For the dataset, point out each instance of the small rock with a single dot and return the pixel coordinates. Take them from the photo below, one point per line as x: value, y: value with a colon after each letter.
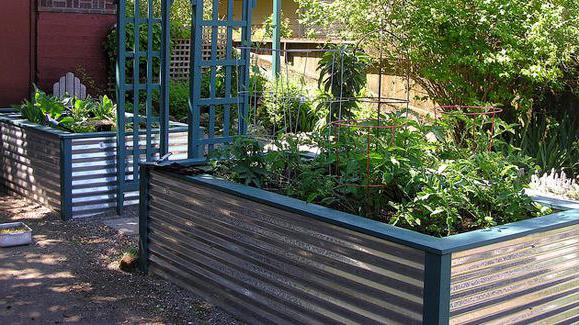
x: 128, y: 263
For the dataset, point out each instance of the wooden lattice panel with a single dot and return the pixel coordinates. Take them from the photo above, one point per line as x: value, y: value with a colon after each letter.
x: 179, y: 66
x: 180, y: 55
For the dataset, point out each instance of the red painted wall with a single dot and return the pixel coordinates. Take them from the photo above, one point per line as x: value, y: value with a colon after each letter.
x: 68, y: 40
x: 15, y: 52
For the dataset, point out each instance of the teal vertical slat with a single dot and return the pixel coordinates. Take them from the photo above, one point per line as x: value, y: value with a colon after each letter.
x: 149, y: 99
x: 195, y: 77
x: 121, y: 91
x: 276, y: 38
x: 228, y: 57
x: 248, y: 6
x: 165, y: 76
x: 66, y: 178
x: 144, y: 220
x: 136, y: 87
x: 213, y: 69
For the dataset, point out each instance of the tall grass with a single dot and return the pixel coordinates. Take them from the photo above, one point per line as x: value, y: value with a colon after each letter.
x: 552, y: 142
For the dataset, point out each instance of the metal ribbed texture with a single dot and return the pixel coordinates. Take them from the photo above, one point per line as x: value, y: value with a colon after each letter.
x: 533, y: 279
x: 94, y: 173
x: 31, y: 164
x: 272, y: 266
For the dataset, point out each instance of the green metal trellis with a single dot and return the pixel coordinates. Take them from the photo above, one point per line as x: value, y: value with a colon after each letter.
x: 230, y: 103
x: 144, y: 57
x: 226, y: 108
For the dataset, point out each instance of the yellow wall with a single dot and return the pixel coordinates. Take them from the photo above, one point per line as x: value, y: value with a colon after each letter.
x: 263, y: 10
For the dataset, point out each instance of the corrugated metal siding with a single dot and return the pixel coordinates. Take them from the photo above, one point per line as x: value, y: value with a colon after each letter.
x: 31, y: 164
x: 534, y: 279
x: 94, y: 172
x: 272, y: 266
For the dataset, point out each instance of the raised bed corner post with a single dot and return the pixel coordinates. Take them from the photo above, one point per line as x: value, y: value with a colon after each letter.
x: 436, y: 304
x: 143, y: 219
x: 141, y: 121
x: 203, y: 138
x: 65, y: 178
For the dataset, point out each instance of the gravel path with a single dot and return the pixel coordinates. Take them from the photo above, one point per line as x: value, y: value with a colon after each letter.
x: 70, y: 274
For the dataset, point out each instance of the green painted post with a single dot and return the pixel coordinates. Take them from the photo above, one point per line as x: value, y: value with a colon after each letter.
x: 436, y: 305
x: 165, y: 76
x: 121, y: 91
x: 143, y: 218
x: 66, y: 178
x: 276, y: 38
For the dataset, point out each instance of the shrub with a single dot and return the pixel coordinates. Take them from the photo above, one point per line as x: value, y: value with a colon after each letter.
x: 287, y: 107
x: 508, y: 52
x: 417, y: 183
x: 553, y: 143
x: 342, y: 79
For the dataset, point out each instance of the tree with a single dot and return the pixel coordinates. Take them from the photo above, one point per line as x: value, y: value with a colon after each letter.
x: 506, y: 52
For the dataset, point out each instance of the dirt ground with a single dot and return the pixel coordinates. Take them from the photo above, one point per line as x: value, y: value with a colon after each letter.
x: 70, y: 275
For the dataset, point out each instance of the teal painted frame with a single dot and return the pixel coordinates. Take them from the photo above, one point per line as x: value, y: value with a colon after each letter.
x: 198, y: 141
x: 438, y: 250
x: 135, y: 88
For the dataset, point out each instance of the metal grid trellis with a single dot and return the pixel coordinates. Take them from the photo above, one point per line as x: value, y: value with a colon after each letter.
x: 228, y: 105
x: 143, y: 59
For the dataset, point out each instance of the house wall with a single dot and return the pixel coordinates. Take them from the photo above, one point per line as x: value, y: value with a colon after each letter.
x: 15, y: 51
x: 70, y: 39
x: 263, y: 11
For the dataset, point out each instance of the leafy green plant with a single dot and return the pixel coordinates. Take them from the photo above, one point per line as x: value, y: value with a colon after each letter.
x: 43, y: 109
x: 70, y: 114
x: 342, y: 79
x: 287, y: 107
x: 178, y: 100
x: 243, y: 160
x: 410, y: 180
x: 267, y: 29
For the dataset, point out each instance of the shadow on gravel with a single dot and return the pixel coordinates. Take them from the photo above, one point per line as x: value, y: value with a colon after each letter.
x: 70, y: 274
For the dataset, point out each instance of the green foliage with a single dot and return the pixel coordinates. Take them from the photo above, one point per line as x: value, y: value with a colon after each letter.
x: 111, y: 50
x: 553, y: 143
x: 342, y: 79
x: 178, y: 100
x: 267, y: 29
x: 287, y: 107
x: 70, y: 114
x: 411, y: 179
x: 243, y: 160
x: 509, y: 52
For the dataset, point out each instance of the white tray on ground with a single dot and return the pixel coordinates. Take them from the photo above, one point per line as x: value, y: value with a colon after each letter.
x: 15, y: 239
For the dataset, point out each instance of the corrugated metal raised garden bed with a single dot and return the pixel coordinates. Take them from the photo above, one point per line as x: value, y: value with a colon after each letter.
x: 72, y: 173
x: 273, y: 259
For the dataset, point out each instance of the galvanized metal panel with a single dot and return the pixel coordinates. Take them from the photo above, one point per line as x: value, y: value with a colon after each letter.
x: 30, y: 164
x: 533, y: 279
x: 94, y: 171
x: 269, y: 265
